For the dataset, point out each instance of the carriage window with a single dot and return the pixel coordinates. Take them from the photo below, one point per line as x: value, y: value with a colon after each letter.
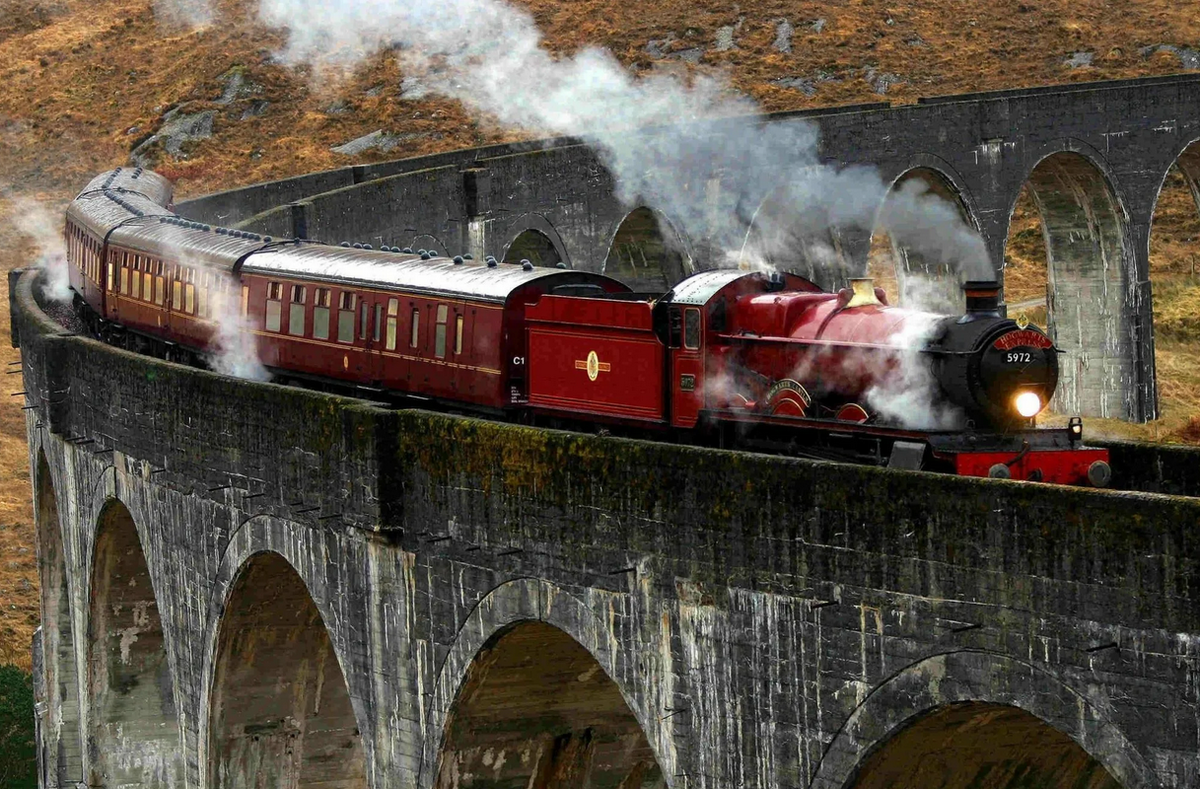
x: 296, y: 312
x: 393, y: 312
x: 321, y: 314
x: 125, y: 276
x: 378, y: 322
x: 112, y: 279
x: 160, y: 284
x: 458, y: 332
x: 189, y: 298
x: 245, y: 302
x: 346, y: 317
x: 439, y: 338
x: 362, y: 321
x: 176, y: 294
x: 274, y: 305
x: 416, y: 328
x: 691, y: 329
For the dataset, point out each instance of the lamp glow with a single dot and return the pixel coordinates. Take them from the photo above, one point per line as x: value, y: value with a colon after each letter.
x: 1028, y: 404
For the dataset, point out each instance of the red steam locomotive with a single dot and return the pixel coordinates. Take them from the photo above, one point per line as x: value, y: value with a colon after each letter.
x: 746, y: 357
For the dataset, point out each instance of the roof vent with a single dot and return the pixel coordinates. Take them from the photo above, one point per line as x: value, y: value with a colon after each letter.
x: 458, y: 260
x: 491, y: 262
x: 407, y: 250
x: 366, y: 246
x: 526, y: 265
x: 425, y: 256
x: 345, y: 244
x: 468, y: 256
x: 422, y: 251
x: 267, y: 239
x: 433, y: 252
x: 560, y: 264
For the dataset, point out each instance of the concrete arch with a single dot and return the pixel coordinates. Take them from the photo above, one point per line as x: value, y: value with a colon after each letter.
x: 951, y: 678
x: 544, y: 246
x: 62, y: 760
x: 133, y: 724
x: 1090, y: 270
x: 647, y: 252
x: 925, y: 239
x: 266, y: 547
x: 506, y: 607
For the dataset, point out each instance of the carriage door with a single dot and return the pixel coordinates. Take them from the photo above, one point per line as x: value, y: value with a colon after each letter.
x: 687, y: 365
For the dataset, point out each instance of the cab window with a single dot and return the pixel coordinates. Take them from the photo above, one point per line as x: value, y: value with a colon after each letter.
x: 691, y: 328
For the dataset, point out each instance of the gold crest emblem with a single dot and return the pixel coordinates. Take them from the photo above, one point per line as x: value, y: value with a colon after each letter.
x: 1022, y: 321
x: 593, y: 365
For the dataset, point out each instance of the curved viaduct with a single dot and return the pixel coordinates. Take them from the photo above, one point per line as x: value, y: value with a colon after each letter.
x: 1095, y: 156
x: 253, y: 585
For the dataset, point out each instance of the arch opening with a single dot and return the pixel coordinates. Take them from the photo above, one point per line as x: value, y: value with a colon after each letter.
x: 646, y: 253
x: 133, y: 727
x: 280, y: 711
x: 1086, y: 260
x: 1175, y: 284
x: 63, y: 760
x: 913, y: 277
x: 537, y: 710
x: 534, y: 246
x: 789, y: 232
x: 977, y: 745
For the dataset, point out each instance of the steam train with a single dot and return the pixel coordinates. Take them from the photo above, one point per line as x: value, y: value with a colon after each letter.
x: 751, y: 358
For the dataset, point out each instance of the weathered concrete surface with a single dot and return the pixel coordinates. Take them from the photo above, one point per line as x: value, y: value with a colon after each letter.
x: 346, y: 594
x: 1094, y: 155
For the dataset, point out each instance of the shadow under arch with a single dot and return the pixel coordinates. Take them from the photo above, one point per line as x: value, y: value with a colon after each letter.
x: 969, y: 688
x: 62, y: 740
x: 916, y: 274
x: 535, y: 239
x: 133, y: 726
x: 502, y: 625
x: 279, y: 710
x: 1088, y: 260
x: 647, y: 252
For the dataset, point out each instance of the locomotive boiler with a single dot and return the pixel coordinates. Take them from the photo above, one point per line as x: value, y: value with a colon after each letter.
x: 761, y: 360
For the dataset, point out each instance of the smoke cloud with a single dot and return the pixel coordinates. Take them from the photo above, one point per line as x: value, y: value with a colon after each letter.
x: 234, y: 348
x: 44, y: 228
x: 183, y: 13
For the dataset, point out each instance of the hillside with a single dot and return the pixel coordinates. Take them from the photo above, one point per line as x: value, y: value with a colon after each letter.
x: 84, y: 83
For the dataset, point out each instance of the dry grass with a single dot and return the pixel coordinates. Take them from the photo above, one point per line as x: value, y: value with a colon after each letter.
x: 82, y: 81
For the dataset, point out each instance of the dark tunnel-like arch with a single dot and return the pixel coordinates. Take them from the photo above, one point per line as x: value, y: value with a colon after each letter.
x: 1087, y: 258
x: 646, y: 253
x: 534, y: 246
x: 912, y: 277
x: 537, y: 709
x: 280, y: 713
x: 976, y: 745
x: 63, y: 761
x: 1174, y: 275
x: 133, y: 728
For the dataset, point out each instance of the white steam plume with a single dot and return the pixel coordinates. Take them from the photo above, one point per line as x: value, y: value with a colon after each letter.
x: 44, y: 228
x: 907, y: 393
x: 489, y: 55
x: 183, y: 13
x: 234, y: 348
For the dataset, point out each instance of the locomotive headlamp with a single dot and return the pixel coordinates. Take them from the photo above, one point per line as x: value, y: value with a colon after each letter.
x: 1028, y: 404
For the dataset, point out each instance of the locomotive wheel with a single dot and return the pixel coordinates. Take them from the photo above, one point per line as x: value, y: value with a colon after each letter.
x: 1000, y: 471
x: 1099, y: 474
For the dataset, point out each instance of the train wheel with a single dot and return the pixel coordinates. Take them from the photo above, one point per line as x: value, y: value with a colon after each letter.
x: 1000, y: 471
x: 1099, y: 474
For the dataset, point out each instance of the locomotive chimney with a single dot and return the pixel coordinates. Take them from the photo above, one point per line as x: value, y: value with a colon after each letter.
x: 862, y: 292
x: 983, y: 299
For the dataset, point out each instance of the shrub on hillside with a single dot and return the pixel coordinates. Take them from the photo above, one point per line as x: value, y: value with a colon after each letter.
x: 18, y: 760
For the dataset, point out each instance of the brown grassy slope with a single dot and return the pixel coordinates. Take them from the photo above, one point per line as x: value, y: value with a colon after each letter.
x: 82, y: 81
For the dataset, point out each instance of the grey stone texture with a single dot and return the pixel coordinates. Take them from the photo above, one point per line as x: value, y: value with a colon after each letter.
x: 768, y: 621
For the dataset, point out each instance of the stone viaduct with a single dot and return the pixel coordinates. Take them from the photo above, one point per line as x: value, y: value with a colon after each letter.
x: 253, y: 585
x: 1094, y: 155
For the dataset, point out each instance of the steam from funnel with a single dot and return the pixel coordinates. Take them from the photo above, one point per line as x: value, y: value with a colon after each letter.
x: 42, y: 227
